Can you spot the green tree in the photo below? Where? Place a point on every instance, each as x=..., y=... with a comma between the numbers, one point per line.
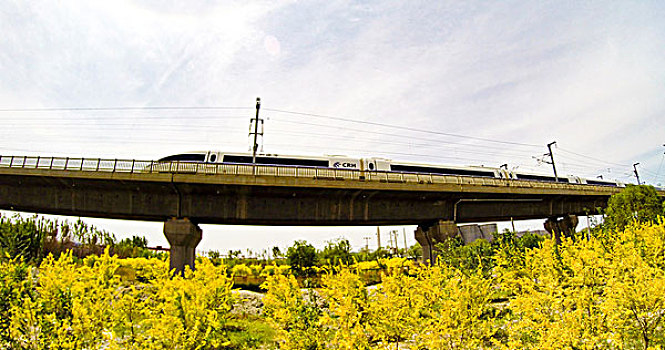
x=635, y=203
x=415, y=251
x=276, y=253
x=136, y=246
x=21, y=237
x=301, y=257
x=337, y=252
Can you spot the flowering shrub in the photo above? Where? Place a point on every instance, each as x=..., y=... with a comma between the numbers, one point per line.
x=90, y=306
x=241, y=270
x=606, y=292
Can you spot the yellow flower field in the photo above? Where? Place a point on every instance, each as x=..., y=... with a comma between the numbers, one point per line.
x=606, y=292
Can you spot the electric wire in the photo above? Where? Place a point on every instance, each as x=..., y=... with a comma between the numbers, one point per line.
x=399, y=127
x=133, y=124
x=592, y=158
x=384, y=134
x=659, y=167
x=395, y=143
x=378, y=152
x=312, y=115
x=245, y=108
x=212, y=118
x=131, y=108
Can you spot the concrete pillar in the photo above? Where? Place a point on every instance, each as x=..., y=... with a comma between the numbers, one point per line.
x=561, y=227
x=183, y=236
x=568, y=225
x=429, y=235
x=551, y=225
x=470, y=233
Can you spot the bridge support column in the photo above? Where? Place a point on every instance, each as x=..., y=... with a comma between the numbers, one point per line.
x=429, y=235
x=183, y=236
x=561, y=227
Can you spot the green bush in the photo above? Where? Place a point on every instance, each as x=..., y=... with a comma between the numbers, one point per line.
x=634, y=203
x=302, y=258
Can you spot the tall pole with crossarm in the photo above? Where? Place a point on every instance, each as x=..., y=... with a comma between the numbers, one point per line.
x=637, y=176
x=256, y=130
x=549, y=147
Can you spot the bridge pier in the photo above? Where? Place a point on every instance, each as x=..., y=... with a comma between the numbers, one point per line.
x=428, y=235
x=183, y=236
x=564, y=226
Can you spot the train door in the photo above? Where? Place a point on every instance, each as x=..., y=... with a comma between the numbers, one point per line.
x=377, y=164
x=213, y=157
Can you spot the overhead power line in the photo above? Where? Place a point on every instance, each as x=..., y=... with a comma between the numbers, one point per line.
x=659, y=167
x=592, y=158
x=422, y=144
x=134, y=120
x=386, y=134
x=389, y=153
x=135, y=108
x=400, y=127
x=123, y=118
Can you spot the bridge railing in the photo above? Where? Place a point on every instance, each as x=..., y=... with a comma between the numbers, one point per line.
x=75, y=164
x=148, y=166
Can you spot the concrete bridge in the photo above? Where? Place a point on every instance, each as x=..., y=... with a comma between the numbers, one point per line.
x=183, y=195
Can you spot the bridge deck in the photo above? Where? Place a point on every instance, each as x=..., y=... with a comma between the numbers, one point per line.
x=276, y=195
x=268, y=175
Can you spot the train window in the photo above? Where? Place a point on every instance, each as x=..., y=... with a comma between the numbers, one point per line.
x=600, y=183
x=276, y=161
x=440, y=171
x=540, y=178
x=186, y=157
x=237, y=159
x=371, y=166
x=292, y=161
x=213, y=158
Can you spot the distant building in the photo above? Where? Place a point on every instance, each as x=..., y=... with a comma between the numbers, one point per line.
x=473, y=232
x=470, y=233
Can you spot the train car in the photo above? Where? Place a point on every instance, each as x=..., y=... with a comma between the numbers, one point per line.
x=543, y=178
x=182, y=160
x=417, y=168
x=600, y=182
x=332, y=161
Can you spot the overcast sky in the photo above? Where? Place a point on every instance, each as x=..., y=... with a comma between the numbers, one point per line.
x=485, y=83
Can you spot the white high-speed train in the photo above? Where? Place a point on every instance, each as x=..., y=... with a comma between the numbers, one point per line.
x=375, y=164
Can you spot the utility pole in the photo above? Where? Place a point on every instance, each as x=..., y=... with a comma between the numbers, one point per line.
x=393, y=236
x=367, y=243
x=549, y=147
x=378, y=238
x=406, y=248
x=256, y=121
x=637, y=176
x=391, y=246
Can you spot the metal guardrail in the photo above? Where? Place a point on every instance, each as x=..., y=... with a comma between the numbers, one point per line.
x=151, y=166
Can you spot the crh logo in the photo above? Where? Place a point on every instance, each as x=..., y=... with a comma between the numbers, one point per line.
x=344, y=165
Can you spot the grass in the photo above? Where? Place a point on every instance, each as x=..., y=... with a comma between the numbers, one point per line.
x=250, y=332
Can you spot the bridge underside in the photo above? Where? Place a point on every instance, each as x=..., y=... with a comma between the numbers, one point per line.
x=211, y=203
x=183, y=201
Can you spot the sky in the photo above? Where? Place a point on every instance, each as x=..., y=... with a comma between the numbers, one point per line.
x=449, y=82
